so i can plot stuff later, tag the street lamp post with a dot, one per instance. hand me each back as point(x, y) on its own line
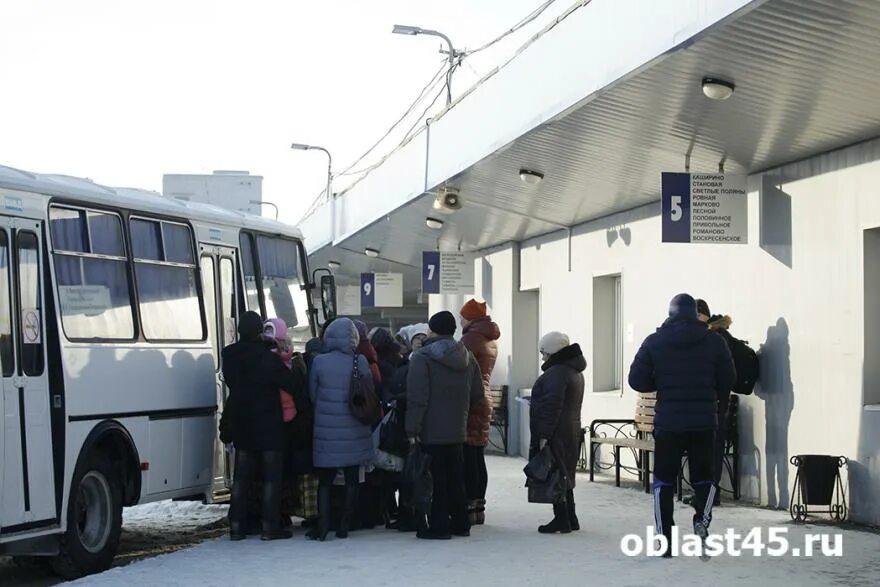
point(401, 29)
point(304, 147)
point(265, 203)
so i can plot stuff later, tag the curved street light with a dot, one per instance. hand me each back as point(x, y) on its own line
point(402, 29)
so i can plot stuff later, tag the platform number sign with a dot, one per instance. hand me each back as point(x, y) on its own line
point(368, 290)
point(704, 208)
point(431, 272)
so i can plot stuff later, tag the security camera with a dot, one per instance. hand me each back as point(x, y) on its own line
point(448, 200)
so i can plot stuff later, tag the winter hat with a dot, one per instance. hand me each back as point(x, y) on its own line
point(703, 308)
point(442, 323)
point(250, 326)
point(362, 330)
point(275, 328)
point(683, 305)
point(553, 342)
point(473, 310)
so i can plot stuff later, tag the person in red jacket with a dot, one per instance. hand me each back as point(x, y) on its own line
point(480, 336)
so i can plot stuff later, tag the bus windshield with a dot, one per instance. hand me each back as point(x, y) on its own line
point(280, 262)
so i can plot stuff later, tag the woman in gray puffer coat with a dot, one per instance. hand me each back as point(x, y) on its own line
point(341, 441)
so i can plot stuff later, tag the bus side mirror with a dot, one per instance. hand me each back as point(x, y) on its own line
point(328, 297)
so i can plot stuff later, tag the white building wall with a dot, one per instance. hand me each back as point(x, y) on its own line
point(795, 292)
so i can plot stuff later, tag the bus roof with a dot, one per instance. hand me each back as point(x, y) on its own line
point(65, 186)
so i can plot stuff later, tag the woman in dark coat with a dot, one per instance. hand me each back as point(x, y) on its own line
point(555, 417)
point(388, 353)
point(252, 421)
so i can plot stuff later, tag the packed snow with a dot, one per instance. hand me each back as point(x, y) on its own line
point(507, 550)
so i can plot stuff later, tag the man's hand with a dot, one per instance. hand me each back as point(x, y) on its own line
point(412, 440)
point(542, 443)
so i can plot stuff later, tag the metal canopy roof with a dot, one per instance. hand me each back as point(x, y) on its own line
point(807, 75)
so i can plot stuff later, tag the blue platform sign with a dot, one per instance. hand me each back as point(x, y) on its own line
point(368, 290)
point(704, 208)
point(431, 272)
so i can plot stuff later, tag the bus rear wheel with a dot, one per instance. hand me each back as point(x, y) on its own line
point(94, 520)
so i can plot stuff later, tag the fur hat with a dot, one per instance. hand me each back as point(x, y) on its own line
point(473, 310)
point(553, 342)
point(443, 323)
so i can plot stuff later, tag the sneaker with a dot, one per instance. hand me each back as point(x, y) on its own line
point(700, 529)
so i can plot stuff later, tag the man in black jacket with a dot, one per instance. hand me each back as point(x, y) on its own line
point(254, 423)
point(691, 370)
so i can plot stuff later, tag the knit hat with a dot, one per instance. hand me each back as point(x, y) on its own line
point(703, 308)
point(443, 323)
point(553, 342)
point(473, 310)
point(683, 305)
point(362, 329)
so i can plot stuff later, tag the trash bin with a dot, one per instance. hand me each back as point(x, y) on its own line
point(523, 400)
point(818, 483)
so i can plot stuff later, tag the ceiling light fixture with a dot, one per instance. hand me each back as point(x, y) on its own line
point(717, 89)
point(434, 223)
point(372, 253)
point(334, 265)
point(531, 177)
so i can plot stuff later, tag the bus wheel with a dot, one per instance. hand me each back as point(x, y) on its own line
point(94, 520)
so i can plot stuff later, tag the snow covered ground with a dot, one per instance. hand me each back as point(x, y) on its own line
point(507, 551)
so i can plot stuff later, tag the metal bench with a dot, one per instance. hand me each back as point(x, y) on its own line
point(636, 436)
point(500, 420)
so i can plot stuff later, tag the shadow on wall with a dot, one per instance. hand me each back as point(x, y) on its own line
point(614, 233)
point(749, 451)
point(776, 222)
point(775, 387)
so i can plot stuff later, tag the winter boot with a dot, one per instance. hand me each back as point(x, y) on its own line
point(572, 515)
point(480, 513)
point(472, 511)
point(351, 500)
point(236, 532)
point(560, 522)
point(272, 529)
point(320, 530)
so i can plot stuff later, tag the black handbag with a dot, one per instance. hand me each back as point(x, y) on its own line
point(552, 490)
point(362, 399)
point(417, 475)
point(540, 465)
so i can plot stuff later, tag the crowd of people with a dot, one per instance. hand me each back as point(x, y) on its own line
point(302, 449)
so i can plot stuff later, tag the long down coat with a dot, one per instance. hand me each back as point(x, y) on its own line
point(555, 413)
point(480, 338)
point(340, 439)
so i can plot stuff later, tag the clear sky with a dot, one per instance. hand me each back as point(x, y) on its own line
point(123, 91)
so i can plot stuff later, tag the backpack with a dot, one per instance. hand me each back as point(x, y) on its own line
point(745, 359)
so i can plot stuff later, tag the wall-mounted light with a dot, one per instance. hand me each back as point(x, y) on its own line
point(334, 265)
point(372, 253)
point(531, 177)
point(434, 223)
point(717, 89)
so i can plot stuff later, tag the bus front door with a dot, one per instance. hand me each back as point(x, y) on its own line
point(221, 305)
point(27, 463)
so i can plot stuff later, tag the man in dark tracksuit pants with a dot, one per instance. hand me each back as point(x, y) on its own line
point(691, 370)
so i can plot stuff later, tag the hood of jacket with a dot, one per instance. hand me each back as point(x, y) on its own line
point(719, 322)
point(342, 336)
point(484, 327)
point(571, 356)
point(446, 351)
point(683, 332)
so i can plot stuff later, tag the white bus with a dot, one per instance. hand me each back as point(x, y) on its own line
point(114, 306)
